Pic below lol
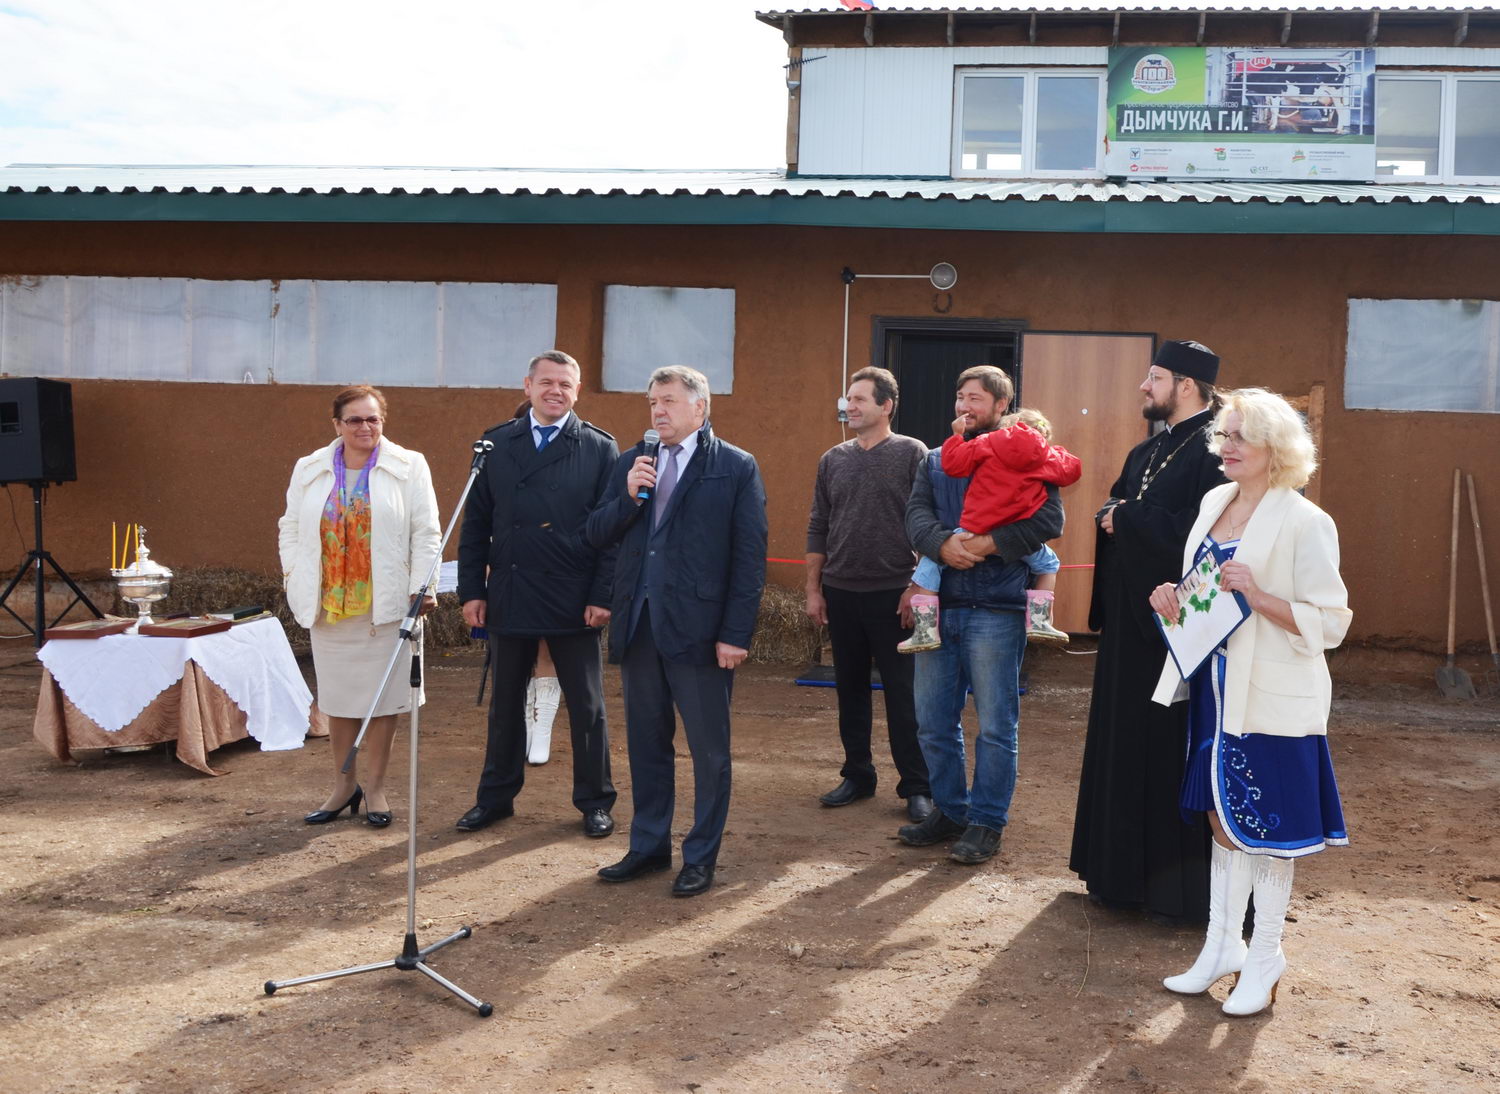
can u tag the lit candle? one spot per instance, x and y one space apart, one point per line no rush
114 549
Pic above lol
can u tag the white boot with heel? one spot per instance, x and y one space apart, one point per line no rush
1264 961
1231 874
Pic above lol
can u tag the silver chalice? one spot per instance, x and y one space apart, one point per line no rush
143 582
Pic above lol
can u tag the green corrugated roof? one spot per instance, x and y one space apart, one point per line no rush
378 195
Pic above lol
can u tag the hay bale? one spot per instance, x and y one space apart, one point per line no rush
204 589
446 629
210 589
783 635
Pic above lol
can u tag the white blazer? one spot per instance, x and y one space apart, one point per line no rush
404 533
1276 682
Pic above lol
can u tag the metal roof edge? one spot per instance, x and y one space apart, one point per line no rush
1169 210
773 16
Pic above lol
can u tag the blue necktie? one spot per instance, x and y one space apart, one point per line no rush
546 431
665 485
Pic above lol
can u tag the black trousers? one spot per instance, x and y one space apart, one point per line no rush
865 627
580 672
701 695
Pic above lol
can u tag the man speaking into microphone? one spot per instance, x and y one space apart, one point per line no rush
526 572
685 526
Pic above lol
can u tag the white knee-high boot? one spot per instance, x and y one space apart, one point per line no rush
1264 963
1230 873
542 697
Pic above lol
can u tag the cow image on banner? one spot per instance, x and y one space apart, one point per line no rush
1241 113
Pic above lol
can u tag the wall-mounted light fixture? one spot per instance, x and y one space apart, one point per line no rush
943 277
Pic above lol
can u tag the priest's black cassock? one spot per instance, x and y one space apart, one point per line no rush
1130 844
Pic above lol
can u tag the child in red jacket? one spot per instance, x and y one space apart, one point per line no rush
1008 468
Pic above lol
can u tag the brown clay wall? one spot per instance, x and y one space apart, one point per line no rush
204 466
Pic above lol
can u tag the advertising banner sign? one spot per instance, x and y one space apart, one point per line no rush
1232 113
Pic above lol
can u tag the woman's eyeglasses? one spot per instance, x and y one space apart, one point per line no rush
355 423
1236 439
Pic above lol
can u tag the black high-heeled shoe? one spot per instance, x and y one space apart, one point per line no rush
323 816
375 818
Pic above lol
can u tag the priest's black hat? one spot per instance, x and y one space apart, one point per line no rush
1188 359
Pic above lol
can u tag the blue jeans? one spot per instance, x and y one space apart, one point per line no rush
981 650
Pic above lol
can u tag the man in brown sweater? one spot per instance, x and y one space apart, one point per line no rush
859 564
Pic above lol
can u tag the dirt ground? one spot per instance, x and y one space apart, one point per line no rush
142 906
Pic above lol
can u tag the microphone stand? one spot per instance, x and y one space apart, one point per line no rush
411 958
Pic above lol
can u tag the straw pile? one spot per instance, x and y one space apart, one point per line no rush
208 589
784 634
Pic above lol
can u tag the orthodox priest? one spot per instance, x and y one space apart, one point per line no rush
1130 844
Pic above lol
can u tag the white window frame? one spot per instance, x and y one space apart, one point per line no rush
1447 123
1028 167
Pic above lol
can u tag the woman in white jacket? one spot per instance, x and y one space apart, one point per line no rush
1258 761
359 535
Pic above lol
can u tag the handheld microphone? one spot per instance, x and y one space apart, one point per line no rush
652 440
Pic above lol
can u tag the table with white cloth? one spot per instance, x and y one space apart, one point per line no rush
200 693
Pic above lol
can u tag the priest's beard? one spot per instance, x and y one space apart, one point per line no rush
1161 412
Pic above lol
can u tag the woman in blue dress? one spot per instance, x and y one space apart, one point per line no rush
1258 760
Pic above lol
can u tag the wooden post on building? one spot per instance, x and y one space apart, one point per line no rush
793 107
1310 406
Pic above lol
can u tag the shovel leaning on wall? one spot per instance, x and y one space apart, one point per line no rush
1492 676
1452 681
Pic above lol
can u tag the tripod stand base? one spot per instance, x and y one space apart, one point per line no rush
411 959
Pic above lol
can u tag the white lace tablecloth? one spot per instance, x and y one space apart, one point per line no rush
113 679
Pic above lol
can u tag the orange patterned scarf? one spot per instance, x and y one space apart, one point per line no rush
345 534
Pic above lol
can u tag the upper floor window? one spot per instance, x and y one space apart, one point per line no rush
1026 123
1437 127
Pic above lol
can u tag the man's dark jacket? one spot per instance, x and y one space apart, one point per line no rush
525 521
713 536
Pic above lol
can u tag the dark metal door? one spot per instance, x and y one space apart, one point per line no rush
927 364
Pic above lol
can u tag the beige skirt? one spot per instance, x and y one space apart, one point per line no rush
349 659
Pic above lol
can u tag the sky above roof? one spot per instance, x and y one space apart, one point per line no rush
516 83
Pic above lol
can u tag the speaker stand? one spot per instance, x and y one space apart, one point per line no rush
39 558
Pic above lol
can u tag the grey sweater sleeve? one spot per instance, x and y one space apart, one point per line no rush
817 521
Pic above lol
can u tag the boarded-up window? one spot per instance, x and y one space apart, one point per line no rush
393 333
646 328
1423 355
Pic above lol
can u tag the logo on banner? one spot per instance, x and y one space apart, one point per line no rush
1298 156
1154 74
1135 153
1220 154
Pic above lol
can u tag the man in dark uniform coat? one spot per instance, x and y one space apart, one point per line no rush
526 572
690 565
1130 844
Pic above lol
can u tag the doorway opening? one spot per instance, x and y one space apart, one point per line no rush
927 356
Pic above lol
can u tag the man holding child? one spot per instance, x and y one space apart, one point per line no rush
982 624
